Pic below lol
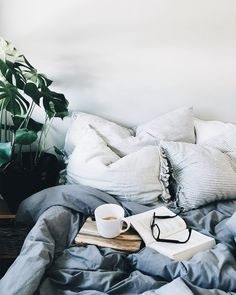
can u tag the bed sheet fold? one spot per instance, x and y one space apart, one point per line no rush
50 263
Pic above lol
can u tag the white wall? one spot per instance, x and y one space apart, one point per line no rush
130 60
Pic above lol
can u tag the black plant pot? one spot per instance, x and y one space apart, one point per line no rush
16 183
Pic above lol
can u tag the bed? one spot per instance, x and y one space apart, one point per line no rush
51 263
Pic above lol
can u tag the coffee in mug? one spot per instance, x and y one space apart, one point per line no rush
109 220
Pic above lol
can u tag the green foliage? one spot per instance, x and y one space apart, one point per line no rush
21 89
12 100
25 136
5 152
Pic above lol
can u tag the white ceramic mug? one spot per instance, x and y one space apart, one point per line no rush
109 220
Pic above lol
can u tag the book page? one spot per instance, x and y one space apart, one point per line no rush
142 223
197 242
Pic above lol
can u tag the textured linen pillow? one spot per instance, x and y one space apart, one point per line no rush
110 131
175 126
206 130
133 177
203 174
225 142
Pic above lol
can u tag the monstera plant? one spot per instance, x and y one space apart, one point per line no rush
23 92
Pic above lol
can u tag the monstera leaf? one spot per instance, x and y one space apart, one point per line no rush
25 136
32 90
5 152
12 100
12 73
40 80
31 125
55 104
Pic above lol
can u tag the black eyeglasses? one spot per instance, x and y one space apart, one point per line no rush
156 229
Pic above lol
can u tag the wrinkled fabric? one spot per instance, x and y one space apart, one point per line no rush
50 262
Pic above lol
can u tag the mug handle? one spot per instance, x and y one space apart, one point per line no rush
128 226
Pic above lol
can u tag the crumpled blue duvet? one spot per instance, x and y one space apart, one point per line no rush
50 263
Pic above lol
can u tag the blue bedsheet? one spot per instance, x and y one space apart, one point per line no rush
50 263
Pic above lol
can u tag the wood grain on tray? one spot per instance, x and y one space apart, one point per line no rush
129 241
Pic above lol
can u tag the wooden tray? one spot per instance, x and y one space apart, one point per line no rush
129 241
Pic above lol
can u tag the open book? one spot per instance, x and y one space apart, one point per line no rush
171 228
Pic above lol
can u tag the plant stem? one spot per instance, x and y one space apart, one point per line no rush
38 151
5 126
30 113
27 117
46 131
13 145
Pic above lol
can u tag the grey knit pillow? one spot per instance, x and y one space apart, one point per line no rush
203 174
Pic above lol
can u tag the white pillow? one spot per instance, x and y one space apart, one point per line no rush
225 142
110 131
134 177
203 174
175 126
206 130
